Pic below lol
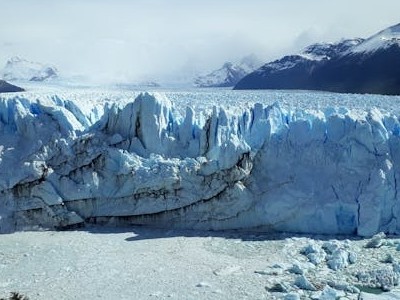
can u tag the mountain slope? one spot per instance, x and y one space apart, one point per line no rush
6 87
384 39
19 69
351 66
229 74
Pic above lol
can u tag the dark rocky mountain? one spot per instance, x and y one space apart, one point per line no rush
351 66
6 87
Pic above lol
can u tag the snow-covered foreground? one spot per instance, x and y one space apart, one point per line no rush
139 263
141 159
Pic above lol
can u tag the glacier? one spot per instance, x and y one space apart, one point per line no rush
145 161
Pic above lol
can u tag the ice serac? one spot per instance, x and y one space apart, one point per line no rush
144 163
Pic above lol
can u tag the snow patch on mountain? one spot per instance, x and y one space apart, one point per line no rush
325 51
384 39
229 74
318 52
19 69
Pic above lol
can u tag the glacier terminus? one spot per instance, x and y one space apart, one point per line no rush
146 161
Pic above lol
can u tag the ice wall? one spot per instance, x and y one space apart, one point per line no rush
144 163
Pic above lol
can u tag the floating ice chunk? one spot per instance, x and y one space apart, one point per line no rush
314 253
339 259
384 279
279 288
376 241
203 285
296 269
303 283
329 293
292 296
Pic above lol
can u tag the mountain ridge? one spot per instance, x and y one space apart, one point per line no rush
369 65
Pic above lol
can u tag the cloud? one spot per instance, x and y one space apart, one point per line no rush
134 39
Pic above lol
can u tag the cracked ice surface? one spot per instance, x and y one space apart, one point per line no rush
145 160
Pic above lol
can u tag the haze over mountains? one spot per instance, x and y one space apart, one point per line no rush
357 65
20 69
350 66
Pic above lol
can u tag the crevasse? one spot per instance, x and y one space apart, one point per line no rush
269 169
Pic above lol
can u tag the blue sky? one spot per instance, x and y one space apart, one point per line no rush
130 40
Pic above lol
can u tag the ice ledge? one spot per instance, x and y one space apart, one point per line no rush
329 171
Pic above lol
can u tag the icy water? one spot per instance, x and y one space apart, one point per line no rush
140 263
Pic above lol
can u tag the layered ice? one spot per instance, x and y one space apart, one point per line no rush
144 162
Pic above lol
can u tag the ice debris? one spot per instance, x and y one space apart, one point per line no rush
274 270
292 296
376 241
303 283
384 279
335 254
383 296
343 286
314 253
279 288
296 269
329 293
203 285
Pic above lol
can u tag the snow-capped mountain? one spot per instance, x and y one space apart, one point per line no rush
6 87
351 66
321 51
306 59
382 40
20 69
229 74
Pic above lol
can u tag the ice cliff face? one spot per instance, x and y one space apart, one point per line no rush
143 163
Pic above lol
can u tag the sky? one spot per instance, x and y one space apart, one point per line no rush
171 40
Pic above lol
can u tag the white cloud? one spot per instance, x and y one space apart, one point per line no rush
128 39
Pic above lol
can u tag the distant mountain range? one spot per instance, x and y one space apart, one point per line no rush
20 69
229 74
351 66
6 87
